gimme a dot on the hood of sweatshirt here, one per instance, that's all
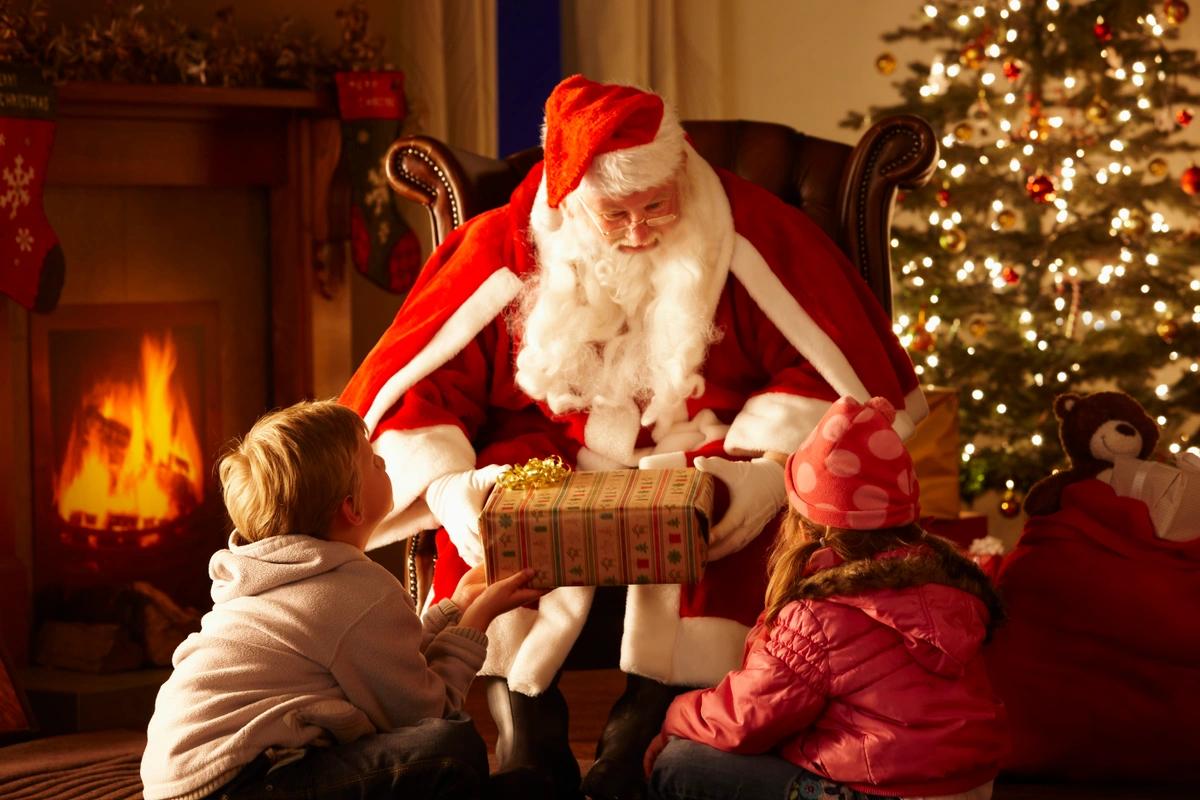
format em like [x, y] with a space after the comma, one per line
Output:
[247, 569]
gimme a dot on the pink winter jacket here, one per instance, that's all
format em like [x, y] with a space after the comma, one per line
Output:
[884, 692]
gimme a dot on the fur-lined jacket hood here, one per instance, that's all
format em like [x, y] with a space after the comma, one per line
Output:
[942, 623]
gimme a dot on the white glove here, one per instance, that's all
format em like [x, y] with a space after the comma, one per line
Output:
[457, 501]
[756, 493]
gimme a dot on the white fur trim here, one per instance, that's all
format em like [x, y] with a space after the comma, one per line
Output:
[916, 408]
[807, 336]
[414, 458]
[491, 298]
[659, 644]
[774, 421]
[529, 647]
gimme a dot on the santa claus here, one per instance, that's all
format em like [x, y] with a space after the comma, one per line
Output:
[629, 307]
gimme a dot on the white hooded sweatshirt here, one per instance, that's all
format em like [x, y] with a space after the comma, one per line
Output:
[309, 642]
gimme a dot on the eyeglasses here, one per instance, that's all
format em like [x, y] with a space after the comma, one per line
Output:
[614, 229]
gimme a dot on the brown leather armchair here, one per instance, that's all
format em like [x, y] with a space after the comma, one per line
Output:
[849, 191]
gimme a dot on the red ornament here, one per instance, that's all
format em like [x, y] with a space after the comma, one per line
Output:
[943, 197]
[1040, 188]
[1103, 32]
[1189, 181]
[1010, 275]
[922, 341]
[1176, 11]
[1184, 117]
[1012, 70]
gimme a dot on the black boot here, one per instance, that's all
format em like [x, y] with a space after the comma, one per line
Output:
[634, 721]
[534, 753]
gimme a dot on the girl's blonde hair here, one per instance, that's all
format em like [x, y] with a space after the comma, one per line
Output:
[940, 562]
[293, 470]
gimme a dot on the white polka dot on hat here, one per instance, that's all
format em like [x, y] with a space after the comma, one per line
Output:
[855, 472]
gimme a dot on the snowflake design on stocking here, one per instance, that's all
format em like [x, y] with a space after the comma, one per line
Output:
[24, 240]
[378, 197]
[17, 181]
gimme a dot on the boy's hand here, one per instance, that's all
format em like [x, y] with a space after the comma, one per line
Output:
[470, 586]
[494, 600]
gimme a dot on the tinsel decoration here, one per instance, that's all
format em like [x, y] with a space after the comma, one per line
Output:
[131, 43]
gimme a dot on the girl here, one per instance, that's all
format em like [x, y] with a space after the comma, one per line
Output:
[864, 676]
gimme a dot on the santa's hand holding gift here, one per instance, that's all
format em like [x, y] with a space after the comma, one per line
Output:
[630, 306]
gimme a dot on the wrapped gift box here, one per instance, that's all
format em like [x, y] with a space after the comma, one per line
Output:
[602, 528]
[936, 454]
[1171, 493]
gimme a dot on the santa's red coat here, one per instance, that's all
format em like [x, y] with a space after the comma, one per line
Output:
[798, 326]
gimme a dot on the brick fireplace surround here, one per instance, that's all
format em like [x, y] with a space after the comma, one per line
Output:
[181, 196]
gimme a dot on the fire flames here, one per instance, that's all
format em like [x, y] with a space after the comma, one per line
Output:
[133, 460]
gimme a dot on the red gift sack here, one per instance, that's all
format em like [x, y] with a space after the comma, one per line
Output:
[1099, 663]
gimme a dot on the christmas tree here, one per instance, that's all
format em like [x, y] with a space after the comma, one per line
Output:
[1056, 248]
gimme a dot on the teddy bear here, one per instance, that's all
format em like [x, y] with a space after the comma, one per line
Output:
[1094, 430]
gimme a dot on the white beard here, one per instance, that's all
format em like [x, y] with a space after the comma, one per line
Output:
[605, 329]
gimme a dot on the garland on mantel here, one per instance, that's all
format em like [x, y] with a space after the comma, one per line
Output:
[129, 44]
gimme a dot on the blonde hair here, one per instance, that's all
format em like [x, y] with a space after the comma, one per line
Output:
[799, 538]
[293, 470]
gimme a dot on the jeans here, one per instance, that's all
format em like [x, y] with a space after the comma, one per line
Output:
[687, 770]
[436, 758]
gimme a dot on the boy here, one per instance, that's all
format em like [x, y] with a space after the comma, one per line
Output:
[313, 674]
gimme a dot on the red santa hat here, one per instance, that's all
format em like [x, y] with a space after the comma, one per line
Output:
[853, 470]
[586, 120]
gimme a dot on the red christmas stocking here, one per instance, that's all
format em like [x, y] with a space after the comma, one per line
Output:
[31, 261]
[383, 247]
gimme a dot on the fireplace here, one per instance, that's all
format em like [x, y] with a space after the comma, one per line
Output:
[201, 290]
[126, 423]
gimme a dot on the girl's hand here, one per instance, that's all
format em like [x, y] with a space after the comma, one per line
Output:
[501, 596]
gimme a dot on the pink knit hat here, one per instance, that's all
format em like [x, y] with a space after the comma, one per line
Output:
[853, 471]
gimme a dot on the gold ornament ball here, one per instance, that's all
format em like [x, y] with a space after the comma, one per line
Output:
[1010, 504]
[1135, 225]
[978, 328]
[971, 56]
[885, 63]
[1097, 110]
[1167, 330]
[953, 240]
[1157, 167]
[1176, 11]
[1007, 219]
[963, 131]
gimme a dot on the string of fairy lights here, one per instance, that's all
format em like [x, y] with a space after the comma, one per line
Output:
[1062, 183]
